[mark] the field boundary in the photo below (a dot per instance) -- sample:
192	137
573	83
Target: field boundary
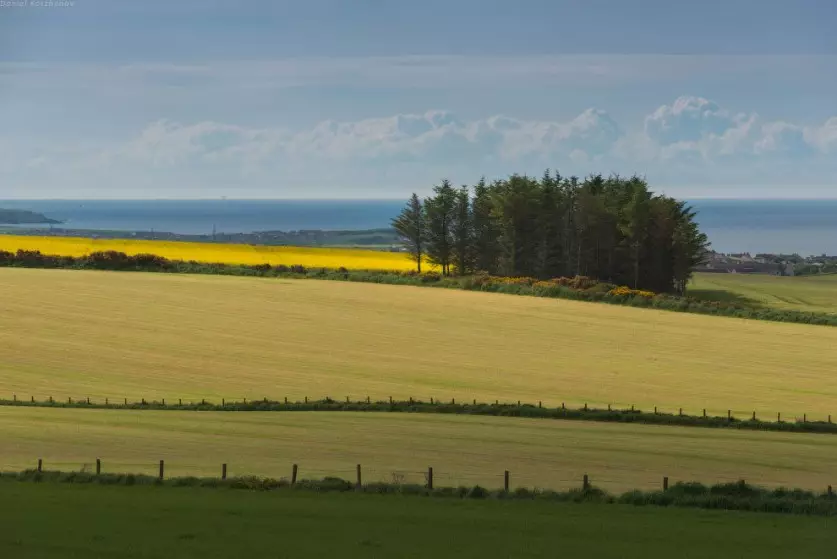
738	496
585	413
119	261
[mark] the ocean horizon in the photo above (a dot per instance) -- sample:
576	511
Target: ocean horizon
803	226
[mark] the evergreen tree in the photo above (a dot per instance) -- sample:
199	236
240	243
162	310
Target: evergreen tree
439	213
411	227
484	229
462	231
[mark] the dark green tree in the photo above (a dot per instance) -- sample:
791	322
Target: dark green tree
439	211
485	252
462	231
411	227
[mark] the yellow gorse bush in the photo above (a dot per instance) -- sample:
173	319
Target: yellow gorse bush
354	259
627	291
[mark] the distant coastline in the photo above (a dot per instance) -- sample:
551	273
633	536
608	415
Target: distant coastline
24	217
804	227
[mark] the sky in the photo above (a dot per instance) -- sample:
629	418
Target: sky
381	98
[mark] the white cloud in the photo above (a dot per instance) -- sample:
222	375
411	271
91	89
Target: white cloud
434	133
691	139
695	127
782	137
823	137
688	119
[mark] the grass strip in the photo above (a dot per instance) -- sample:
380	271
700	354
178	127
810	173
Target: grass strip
415	406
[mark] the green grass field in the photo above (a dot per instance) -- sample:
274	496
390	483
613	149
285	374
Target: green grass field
44	521
142	335
806	293
462	450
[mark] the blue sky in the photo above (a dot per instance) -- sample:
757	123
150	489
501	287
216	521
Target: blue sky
362	99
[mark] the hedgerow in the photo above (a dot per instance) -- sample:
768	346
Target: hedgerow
738	496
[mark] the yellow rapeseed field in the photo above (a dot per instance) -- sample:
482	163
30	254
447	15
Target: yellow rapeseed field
139	335
355	259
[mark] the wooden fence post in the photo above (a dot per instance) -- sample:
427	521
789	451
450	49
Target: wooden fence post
359	478
223	471
506	481
665	483
162	469
40	464
98	466
430	477
293	474
586	483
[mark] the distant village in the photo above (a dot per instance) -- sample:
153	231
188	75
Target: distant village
772	264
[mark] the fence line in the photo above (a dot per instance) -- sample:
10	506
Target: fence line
584	482
658	416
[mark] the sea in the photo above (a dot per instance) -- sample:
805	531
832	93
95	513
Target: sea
806	227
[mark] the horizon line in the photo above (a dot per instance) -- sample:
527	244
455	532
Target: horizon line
370	199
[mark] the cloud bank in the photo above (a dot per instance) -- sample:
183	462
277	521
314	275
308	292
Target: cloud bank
687	141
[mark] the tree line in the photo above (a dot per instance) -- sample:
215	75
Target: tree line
612	228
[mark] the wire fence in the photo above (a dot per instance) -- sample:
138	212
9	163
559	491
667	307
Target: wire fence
472	406
431	477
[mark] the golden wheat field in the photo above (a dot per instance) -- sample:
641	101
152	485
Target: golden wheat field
355	259
462	450
138	335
